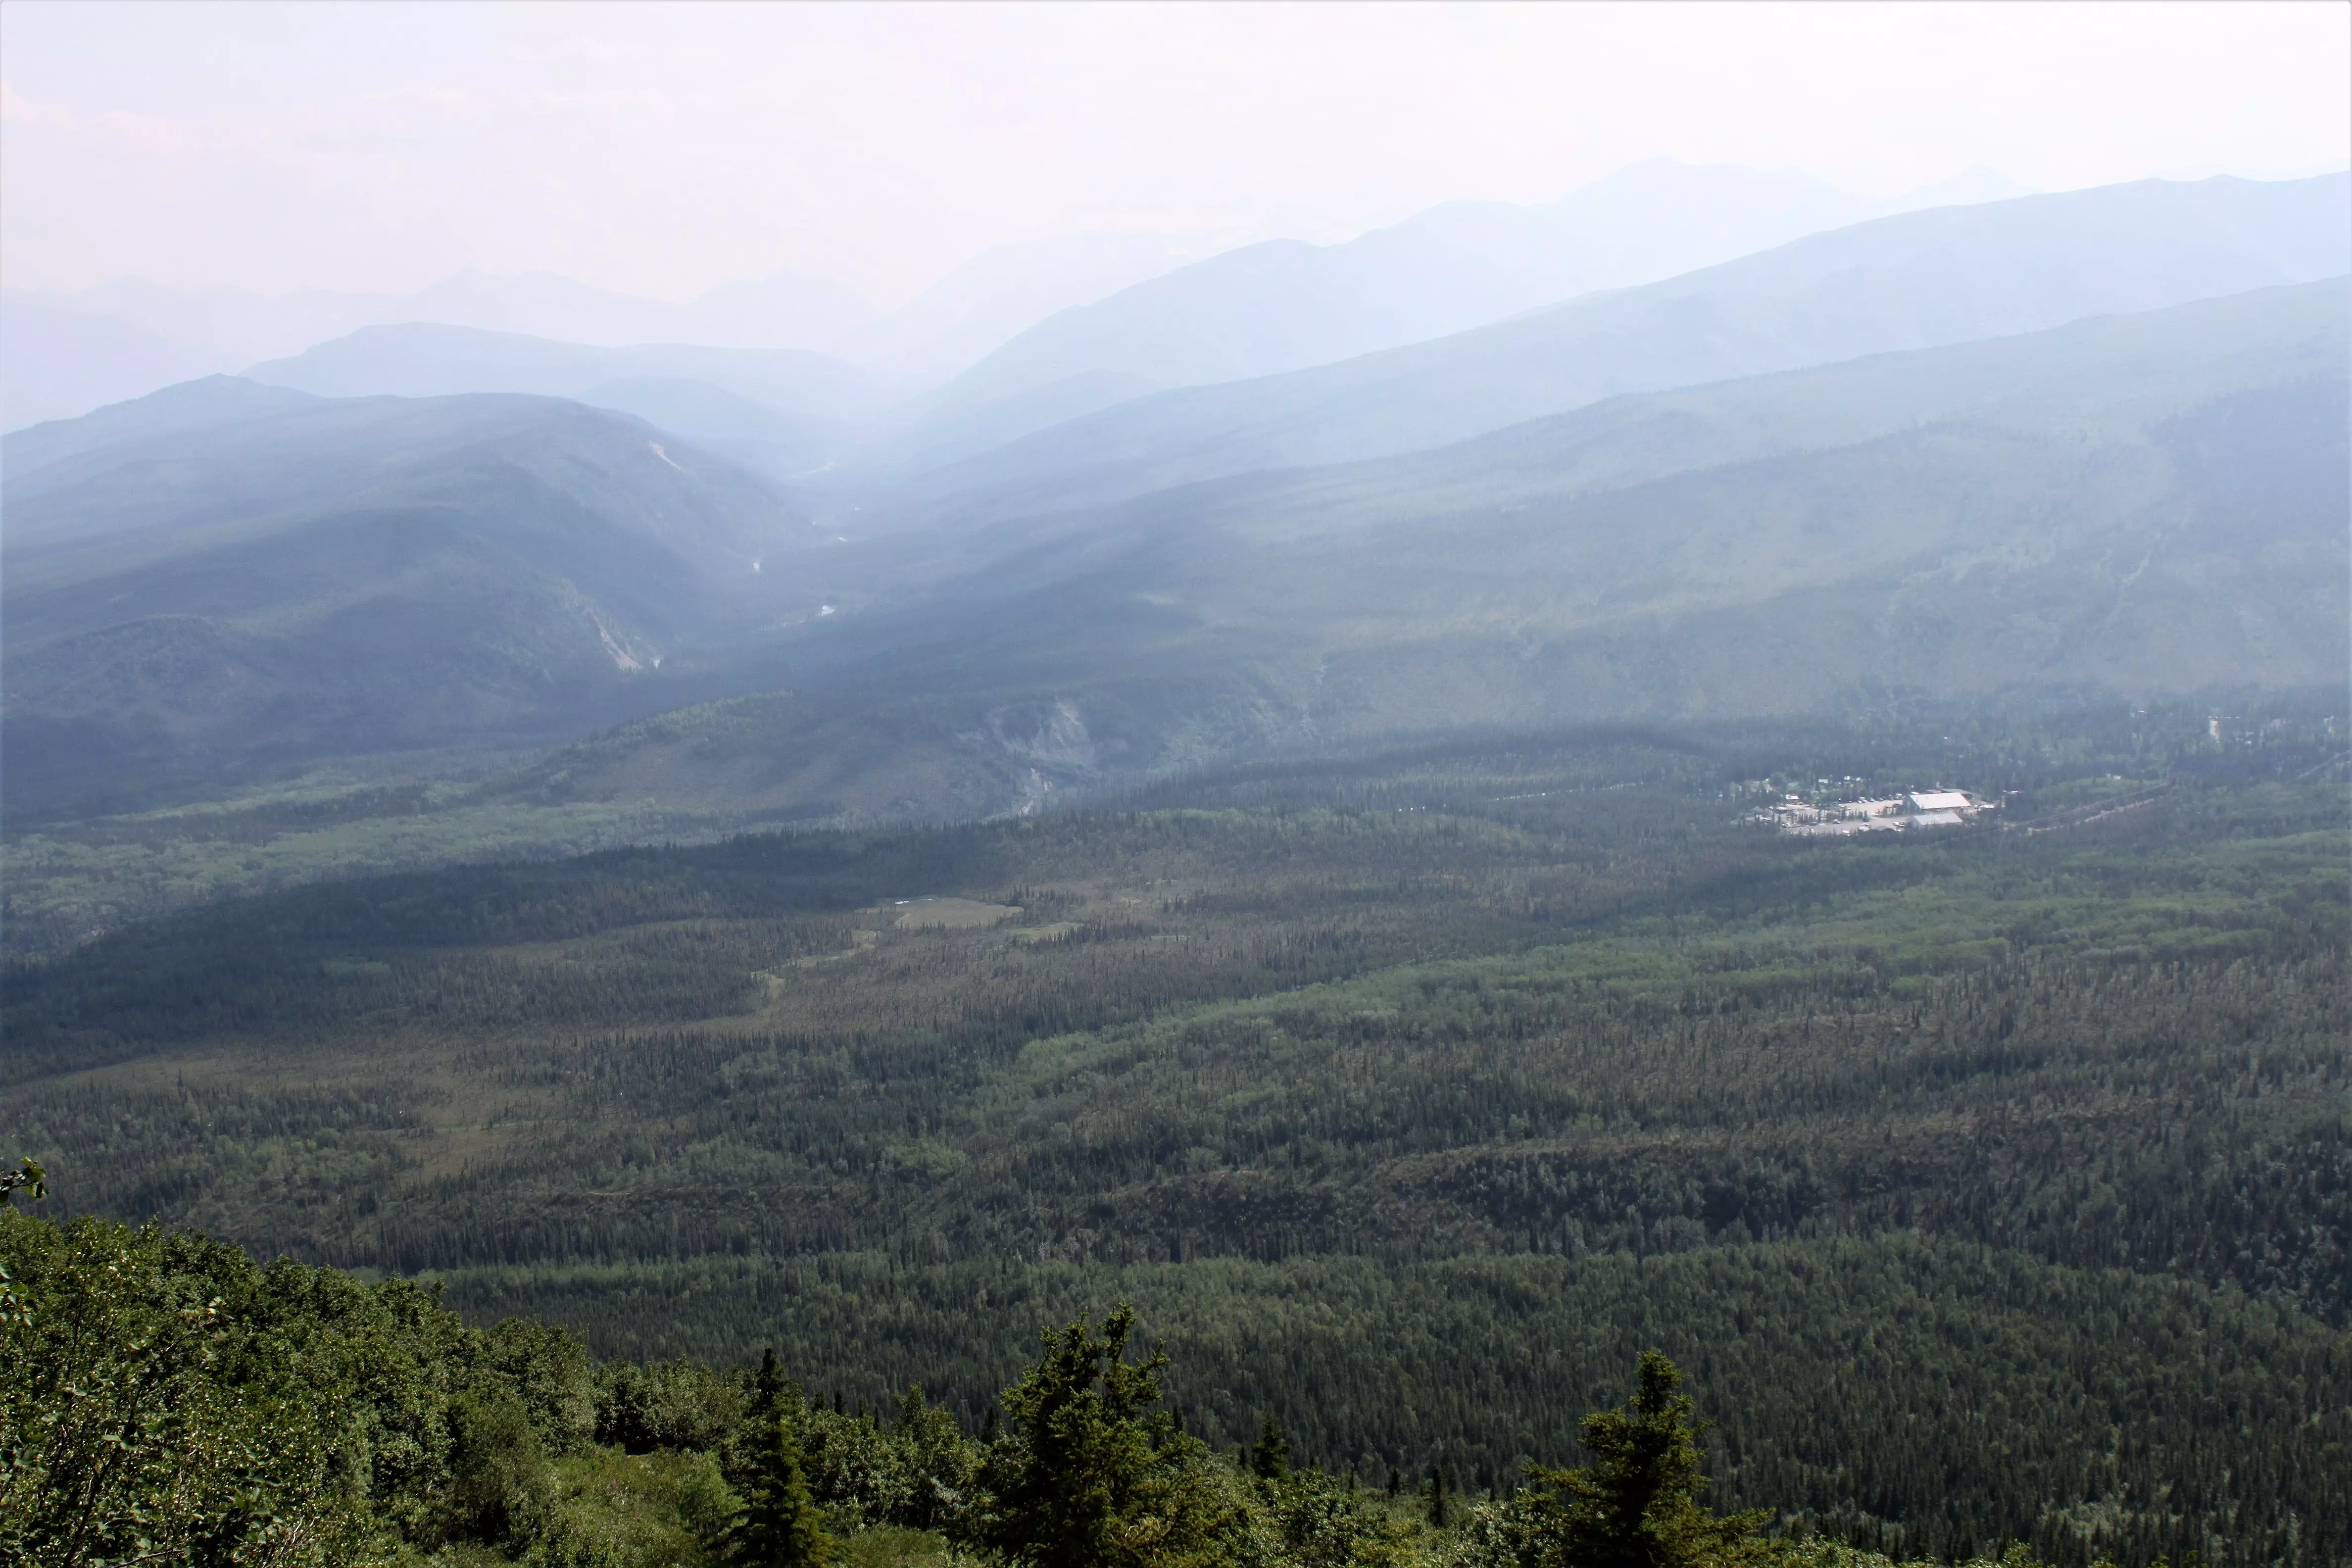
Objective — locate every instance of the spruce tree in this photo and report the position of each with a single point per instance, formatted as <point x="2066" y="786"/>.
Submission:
<point x="780" y="1526"/>
<point x="1270" y="1460"/>
<point x="1637" y="1505"/>
<point x="768" y="1386"/>
<point x="1089" y="1474"/>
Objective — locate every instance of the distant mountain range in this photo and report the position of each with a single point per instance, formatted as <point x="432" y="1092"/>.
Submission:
<point x="781" y="410"/>
<point x="1282" y="305"/>
<point x="1914" y="280"/>
<point x="65" y="354"/>
<point x="2096" y="437"/>
<point x="1455" y="265"/>
<point x="2145" y="504"/>
<point x="230" y="576"/>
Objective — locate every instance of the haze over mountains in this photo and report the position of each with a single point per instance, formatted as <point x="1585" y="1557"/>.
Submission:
<point x="1282" y="305"/>
<point x="230" y="576"/>
<point x="109" y="342"/>
<point x="1909" y="281"/>
<point x="70" y="353"/>
<point x="784" y="410"/>
<point x="2095" y="438"/>
<point x="2146" y="503"/>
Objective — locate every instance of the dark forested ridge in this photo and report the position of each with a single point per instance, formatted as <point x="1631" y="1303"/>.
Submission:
<point x="1991" y="1183"/>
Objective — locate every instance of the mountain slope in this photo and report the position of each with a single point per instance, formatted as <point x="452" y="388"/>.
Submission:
<point x="2154" y="502"/>
<point x="783" y="412"/>
<point x="1004" y="290"/>
<point x="56" y="361"/>
<point x="296" y="576"/>
<point x="1914" y="280"/>
<point x="180" y="409"/>
<point x="1282" y="305"/>
<point x="69" y="353"/>
<point x="419" y="360"/>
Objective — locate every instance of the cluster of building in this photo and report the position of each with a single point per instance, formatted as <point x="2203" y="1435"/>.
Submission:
<point x="1895" y="813"/>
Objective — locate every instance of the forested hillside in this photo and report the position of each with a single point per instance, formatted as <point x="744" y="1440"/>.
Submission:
<point x="1989" y="1183"/>
<point x="165" y="1400"/>
<point x="2143" y="504"/>
<point x="228" y="578"/>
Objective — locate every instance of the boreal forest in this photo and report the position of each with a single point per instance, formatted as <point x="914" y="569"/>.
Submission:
<point x="1358" y="1132"/>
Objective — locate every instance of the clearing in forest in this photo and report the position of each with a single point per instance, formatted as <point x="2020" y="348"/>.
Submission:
<point x="950" y="914"/>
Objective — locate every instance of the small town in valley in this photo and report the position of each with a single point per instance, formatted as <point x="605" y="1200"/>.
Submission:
<point x="1830" y="811"/>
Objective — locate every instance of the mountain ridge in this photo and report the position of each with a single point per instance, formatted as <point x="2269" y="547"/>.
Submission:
<point x="1913" y="520"/>
<point x="1282" y="305"/>
<point x="1912" y="281"/>
<point x="348" y="575"/>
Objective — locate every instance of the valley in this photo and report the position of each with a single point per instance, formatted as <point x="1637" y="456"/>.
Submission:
<point x="1710" y="771"/>
<point x="2144" y="501"/>
<point x="1489" y="1059"/>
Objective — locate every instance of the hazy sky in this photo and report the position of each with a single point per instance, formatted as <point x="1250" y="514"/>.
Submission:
<point x="662" y="147"/>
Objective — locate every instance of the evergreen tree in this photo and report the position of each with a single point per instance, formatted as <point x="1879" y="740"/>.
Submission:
<point x="1637" y="1506"/>
<point x="1090" y="1476"/>
<point x="1270" y="1460"/>
<point x="1439" y="1514"/>
<point x="769" y="1386"/>
<point x="780" y="1527"/>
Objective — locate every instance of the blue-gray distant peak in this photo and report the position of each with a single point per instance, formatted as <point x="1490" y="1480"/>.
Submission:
<point x="1914" y="280"/>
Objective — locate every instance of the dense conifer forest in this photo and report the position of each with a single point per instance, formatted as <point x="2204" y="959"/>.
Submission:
<point x="1987" y="1185"/>
<point x="168" y="1401"/>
